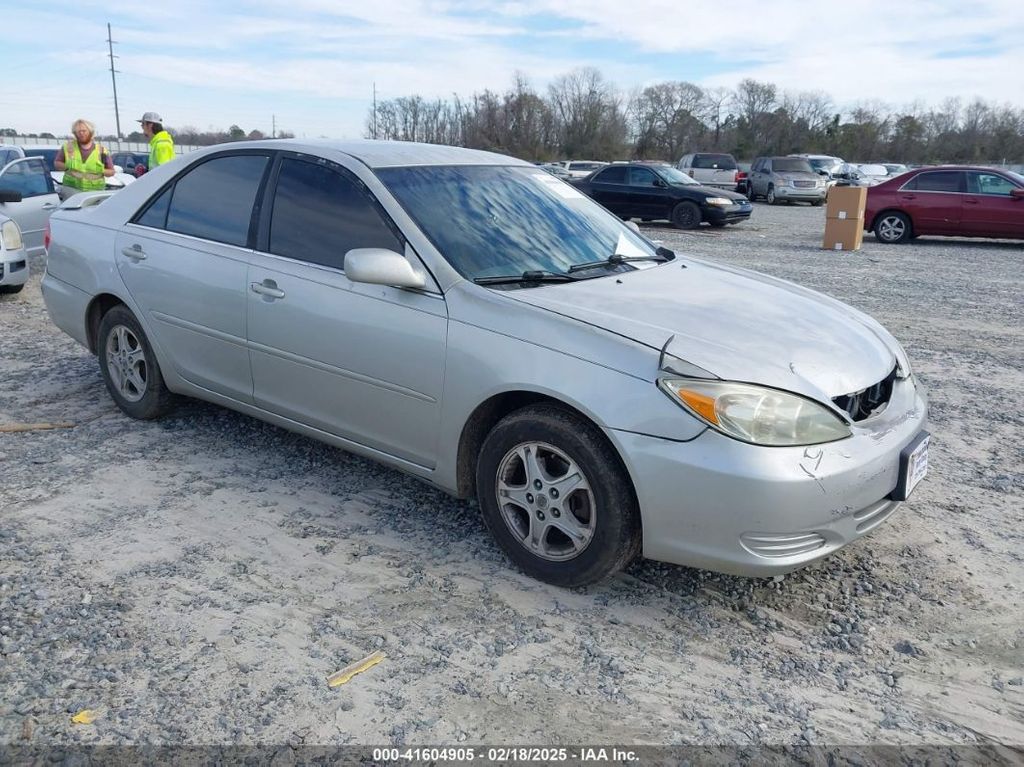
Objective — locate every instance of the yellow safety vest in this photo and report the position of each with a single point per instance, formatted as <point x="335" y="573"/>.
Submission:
<point x="161" y="149"/>
<point x="85" y="175"/>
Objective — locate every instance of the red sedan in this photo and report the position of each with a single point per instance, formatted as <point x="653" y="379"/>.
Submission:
<point x="950" y="200"/>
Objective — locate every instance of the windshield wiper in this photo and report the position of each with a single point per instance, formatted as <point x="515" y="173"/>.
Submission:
<point x="527" y="278"/>
<point x="617" y="258"/>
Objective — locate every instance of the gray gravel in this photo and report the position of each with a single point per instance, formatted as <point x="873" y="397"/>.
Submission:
<point x="196" y="580"/>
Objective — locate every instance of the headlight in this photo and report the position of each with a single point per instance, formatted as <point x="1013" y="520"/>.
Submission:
<point x="723" y="201"/>
<point x="10" y="236"/>
<point x="756" y="414"/>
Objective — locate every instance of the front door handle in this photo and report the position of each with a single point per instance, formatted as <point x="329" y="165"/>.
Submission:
<point x="135" y="252"/>
<point x="969" y="201"/>
<point x="50" y="206"/>
<point x="267" y="288"/>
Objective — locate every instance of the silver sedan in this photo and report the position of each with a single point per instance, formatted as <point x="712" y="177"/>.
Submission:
<point x="474" y="321"/>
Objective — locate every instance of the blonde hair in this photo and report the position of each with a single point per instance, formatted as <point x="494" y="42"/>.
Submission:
<point x="87" y="124"/>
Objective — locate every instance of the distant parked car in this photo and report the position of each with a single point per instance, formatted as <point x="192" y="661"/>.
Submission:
<point x="660" y="192"/>
<point x="742" y="174"/>
<point x="48" y="153"/>
<point x="785" y="179"/>
<point x="824" y="165"/>
<point x="556" y="170"/>
<point x="711" y="169"/>
<point x="29" y="198"/>
<point x="861" y="174"/>
<point x="10" y="152"/>
<point x="952" y="200"/>
<point x="581" y="168"/>
<point x="130" y="161"/>
<point x="895" y="168"/>
<point x="13" y="258"/>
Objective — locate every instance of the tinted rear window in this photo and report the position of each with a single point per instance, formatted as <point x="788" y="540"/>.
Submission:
<point x="718" y="161"/>
<point x="936" y="181"/>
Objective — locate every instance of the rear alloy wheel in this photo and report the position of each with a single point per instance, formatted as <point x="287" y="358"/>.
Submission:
<point x="770" y="196"/>
<point x="129" y="367"/>
<point x="555" y="497"/>
<point x="893" y="227"/>
<point x="685" y="215"/>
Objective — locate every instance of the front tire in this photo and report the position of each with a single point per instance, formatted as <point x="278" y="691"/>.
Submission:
<point x="893" y="227"/>
<point x="11" y="288"/>
<point x="685" y="215"/>
<point x="556" y="498"/>
<point x="129" y="367"/>
<point x="770" y="197"/>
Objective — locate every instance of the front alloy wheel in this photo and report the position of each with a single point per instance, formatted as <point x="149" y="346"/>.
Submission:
<point x="546" y="501"/>
<point x="556" y="498"/>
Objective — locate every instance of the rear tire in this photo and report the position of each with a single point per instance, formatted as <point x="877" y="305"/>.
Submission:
<point x="129" y="367"/>
<point x="893" y="227"/>
<point x="556" y="498"/>
<point x="685" y="215"/>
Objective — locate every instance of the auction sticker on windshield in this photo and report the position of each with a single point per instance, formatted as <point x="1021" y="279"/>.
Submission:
<point x="557" y="186"/>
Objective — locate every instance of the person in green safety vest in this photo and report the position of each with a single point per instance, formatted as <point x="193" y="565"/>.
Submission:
<point x="85" y="162"/>
<point x="161" y="145"/>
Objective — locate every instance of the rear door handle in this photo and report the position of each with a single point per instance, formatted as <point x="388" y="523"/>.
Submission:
<point x="135" y="252"/>
<point x="50" y="206"/>
<point x="267" y="288"/>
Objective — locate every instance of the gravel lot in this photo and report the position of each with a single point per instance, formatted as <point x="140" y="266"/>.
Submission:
<point x="196" y="580"/>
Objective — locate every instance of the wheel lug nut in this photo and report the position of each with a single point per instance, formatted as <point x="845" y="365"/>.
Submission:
<point x="540" y="515"/>
<point x="556" y="513"/>
<point x="554" y="493"/>
<point x="538" y="484"/>
<point x="529" y="497"/>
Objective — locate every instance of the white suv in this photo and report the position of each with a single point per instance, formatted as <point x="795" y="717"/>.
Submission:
<point x="711" y="169"/>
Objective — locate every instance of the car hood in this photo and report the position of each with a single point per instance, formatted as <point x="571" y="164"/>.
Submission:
<point x="735" y="324"/>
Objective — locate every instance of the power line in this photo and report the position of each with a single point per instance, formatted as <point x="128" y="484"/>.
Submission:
<point x="113" y="80"/>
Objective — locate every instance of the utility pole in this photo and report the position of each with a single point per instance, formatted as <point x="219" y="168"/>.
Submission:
<point x="375" y="110"/>
<point x="113" y="80"/>
<point x="273" y="126"/>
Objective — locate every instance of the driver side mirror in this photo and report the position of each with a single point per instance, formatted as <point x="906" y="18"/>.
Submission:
<point x="1017" y="194"/>
<point x="380" y="266"/>
<point x="660" y="183"/>
<point x="9" y="195"/>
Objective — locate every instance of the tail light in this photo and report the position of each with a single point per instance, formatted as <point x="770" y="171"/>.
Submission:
<point x="46" y="238"/>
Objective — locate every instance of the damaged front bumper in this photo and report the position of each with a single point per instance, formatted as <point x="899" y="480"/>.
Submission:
<point x="729" y="506"/>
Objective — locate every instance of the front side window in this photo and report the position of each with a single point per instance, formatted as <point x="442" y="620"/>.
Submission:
<point x="490" y="221"/>
<point x="989" y="183"/>
<point x="641" y="177"/>
<point x="320" y="213"/>
<point x="214" y="200"/>
<point x="28" y="176"/>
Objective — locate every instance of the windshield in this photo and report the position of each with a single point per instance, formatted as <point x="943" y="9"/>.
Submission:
<point x="491" y="221"/>
<point x="791" y="165"/>
<point x="676" y="176"/>
<point x="1015" y="176"/>
<point x="822" y="163"/>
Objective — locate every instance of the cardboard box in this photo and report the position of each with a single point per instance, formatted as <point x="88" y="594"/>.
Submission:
<point x="844" y="234"/>
<point x="846" y="202"/>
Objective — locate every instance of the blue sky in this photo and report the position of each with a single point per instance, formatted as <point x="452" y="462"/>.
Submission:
<point x="313" y="63"/>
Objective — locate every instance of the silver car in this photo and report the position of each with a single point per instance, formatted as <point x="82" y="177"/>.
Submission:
<point x="471" y="320"/>
<point x="13" y="258"/>
<point x="785" y="179"/>
<point x="29" y="197"/>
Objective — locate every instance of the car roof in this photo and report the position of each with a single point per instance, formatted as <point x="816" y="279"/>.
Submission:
<point x="381" y="154"/>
